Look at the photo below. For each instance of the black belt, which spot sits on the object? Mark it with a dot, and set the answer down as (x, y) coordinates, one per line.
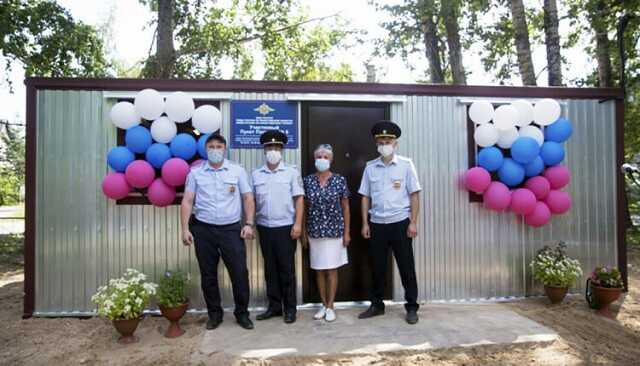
(194, 221)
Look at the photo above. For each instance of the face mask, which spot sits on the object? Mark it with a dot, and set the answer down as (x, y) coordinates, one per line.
(215, 156)
(273, 156)
(322, 165)
(385, 150)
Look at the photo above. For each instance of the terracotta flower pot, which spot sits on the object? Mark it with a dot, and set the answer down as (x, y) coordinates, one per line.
(603, 297)
(173, 315)
(555, 294)
(126, 328)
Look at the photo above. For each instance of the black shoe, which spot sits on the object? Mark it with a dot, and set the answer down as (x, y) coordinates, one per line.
(213, 323)
(371, 312)
(268, 314)
(290, 318)
(412, 316)
(245, 322)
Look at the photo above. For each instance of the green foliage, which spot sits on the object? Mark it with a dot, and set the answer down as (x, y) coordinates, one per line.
(605, 276)
(125, 297)
(43, 37)
(172, 289)
(553, 267)
(11, 249)
(12, 164)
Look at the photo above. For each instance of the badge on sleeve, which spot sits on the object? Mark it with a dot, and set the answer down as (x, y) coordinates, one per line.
(397, 184)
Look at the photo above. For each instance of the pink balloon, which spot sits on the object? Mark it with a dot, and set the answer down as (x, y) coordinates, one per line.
(196, 163)
(140, 174)
(523, 201)
(539, 185)
(477, 179)
(115, 186)
(160, 194)
(497, 196)
(559, 202)
(539, 216)
(558, 176)
(174, 171)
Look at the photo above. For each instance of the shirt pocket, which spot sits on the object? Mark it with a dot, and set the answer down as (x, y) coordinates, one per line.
(281, 188)
(230, 185)
(376, 186)
(398, 186)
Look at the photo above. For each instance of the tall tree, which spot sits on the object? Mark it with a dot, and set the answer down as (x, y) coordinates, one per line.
(431, 40)
(552, 41)
(450, 14)
(165, 52)
(523, 47)
(597, 11)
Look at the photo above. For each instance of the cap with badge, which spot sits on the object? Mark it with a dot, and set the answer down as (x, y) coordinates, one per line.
(273, 137)
(386, 129)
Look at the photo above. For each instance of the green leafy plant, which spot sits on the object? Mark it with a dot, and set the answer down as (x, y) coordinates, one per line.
(607, 277)
(553, 267)
(125, 297)
(172, 289)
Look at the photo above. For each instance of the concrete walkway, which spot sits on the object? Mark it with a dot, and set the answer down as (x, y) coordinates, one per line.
(440, 326)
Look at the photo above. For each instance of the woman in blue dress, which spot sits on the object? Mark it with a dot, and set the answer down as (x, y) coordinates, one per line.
(327, 216)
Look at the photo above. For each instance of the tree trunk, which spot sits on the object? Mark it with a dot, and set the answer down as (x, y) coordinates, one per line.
(165, 53)
(432, 48)
(599, 25)
(523, 47)
(552, 40)
(450, 16)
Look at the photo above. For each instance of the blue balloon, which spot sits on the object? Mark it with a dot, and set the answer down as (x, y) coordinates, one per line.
(558, 131)
(183, 146)
(552, 153)
(511, 173)
(490, 158)
(138, 139)
(534, 168)
(119, 158)
(157, 154)
(202, 149)
(524, 150)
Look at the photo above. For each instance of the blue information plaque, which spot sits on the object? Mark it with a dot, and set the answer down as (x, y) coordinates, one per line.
(249, 119)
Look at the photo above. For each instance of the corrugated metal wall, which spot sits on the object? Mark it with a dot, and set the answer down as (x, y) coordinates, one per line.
(463, 251)
(467, 252)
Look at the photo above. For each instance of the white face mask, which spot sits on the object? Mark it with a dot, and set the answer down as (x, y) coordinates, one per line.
(273, 156)
(215, 156)
(385, 150)
(323, 165)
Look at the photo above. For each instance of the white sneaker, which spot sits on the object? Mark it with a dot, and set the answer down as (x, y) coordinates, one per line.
(330, 315)
(321, 313)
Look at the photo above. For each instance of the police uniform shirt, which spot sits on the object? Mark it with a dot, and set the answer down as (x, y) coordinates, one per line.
(389, 187)
(218, 192)
(274, 192)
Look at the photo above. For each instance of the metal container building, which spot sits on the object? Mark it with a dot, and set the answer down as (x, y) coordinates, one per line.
(76, 239)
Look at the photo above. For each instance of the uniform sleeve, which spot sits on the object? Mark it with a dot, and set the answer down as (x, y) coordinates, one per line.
(190, 184)
(364, 185)
(345, 188)
(244, 184)
(413, 185)
(296, 184)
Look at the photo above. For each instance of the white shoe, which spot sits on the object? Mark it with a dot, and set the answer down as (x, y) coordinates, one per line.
(321, 313)
(330, 315)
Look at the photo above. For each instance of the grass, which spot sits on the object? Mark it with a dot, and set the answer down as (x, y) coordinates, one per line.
(11, 249)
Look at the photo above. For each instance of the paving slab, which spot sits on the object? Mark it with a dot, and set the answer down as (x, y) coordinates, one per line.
(440, 326)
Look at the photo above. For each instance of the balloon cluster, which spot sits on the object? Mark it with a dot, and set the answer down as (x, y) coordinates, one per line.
(519, 160)
(157, 158)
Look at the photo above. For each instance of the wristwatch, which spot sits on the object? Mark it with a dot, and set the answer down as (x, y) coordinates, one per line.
(250, 224)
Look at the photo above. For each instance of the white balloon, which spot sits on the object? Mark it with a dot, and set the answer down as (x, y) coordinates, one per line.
(506, 138)
(533, 132)
(179, 107)
(124, 115)
(546, 112)
(481, 112)
(207, 119)
(525, 112)
(163, 130)
(505, 117)
(486, 135)
(149, 104)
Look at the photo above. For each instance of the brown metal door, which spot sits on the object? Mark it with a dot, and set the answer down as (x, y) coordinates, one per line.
(347, 127)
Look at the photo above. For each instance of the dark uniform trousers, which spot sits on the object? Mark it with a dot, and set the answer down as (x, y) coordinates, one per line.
(394, 236)
(278, 251)
(213, 242)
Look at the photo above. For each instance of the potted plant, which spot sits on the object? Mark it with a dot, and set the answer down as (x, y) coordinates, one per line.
(173, 301)
(123, 300)
(606, 286)
(556, 271)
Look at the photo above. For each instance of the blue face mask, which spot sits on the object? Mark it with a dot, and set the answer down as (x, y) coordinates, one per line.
(215, 156)
(322, 165)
